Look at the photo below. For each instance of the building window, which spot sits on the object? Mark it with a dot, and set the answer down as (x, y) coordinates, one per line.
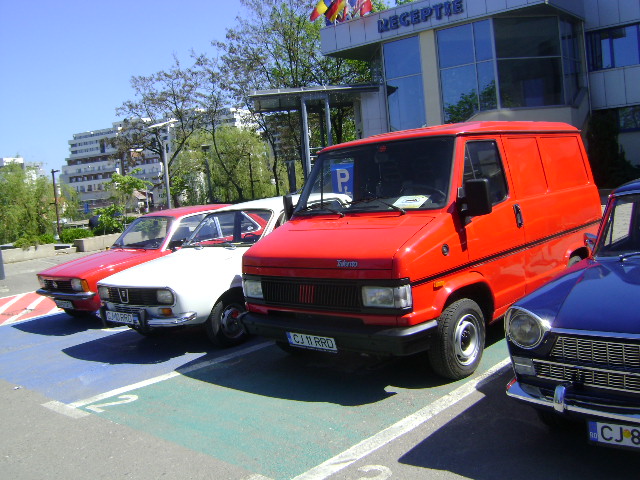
(529, 61)
(467, 70)
(613, 47)
(629, 118)
(405, 92)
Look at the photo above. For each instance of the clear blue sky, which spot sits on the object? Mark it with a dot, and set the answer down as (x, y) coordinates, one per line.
(65, 65)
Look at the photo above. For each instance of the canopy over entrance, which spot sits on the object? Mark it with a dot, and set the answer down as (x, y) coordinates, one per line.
(305, 99)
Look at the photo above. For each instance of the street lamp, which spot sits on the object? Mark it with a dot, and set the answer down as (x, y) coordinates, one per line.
(55, 200)
(165, 164)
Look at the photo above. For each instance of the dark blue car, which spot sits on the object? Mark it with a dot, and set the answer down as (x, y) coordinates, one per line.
(575, 342)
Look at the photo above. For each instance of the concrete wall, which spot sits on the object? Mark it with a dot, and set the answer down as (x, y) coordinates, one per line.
(95, 243)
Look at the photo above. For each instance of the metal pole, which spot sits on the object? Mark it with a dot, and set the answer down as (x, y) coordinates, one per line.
(327, 116)
(55, 200)
(306, 161)
(166, 173)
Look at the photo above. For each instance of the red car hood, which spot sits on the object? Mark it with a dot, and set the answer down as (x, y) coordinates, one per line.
(102, 264)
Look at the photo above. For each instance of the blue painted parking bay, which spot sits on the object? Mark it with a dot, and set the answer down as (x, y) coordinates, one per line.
(255, 406)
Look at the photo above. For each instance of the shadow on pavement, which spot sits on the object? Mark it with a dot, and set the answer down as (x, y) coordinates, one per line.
(499, 438)
(129, 347)
(59, 324)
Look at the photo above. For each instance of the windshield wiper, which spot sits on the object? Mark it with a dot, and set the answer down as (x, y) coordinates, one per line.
(320, 207)
(378, 199)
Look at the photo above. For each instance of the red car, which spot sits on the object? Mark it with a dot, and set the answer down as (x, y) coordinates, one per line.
(72, 285)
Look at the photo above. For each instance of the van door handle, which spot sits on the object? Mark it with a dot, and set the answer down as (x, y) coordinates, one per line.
(518, 213)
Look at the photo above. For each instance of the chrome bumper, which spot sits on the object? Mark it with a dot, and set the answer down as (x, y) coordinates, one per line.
(564, 405)
(177, 320)
(66, 296)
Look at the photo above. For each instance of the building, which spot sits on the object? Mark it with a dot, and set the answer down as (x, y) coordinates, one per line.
(446, 61)
(94, 158)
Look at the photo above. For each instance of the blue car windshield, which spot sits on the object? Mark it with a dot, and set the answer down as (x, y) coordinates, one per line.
(621, 228)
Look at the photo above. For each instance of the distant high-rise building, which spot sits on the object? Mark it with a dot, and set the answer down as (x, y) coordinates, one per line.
(94, 158)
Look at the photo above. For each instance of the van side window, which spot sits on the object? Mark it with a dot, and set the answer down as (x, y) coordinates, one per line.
(482, 160)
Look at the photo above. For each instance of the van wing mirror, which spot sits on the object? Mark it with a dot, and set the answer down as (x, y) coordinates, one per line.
(287, 201)
(476, 199)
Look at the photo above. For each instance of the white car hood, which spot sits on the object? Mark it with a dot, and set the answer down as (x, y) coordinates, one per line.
(186, 265)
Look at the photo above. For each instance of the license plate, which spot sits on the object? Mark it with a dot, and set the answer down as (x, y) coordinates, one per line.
(313, 342)
(615, 434)
(122, 317)
(63, 303)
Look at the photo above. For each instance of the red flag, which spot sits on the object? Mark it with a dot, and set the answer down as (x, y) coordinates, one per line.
(321, 7)
(365, 7)
(335, 8)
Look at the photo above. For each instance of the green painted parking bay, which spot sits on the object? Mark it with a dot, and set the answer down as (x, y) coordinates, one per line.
(280, 415)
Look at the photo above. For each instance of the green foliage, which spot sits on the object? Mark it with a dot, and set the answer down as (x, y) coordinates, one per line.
(123, 187)
(26, 208)
(46, 238)
(111, 220)
(608, 161)
(68, 235)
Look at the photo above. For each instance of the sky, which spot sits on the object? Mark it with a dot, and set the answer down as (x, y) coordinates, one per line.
(66, 65)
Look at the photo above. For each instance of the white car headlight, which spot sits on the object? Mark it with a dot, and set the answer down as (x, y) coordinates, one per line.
(524, 328)
(387, 297)
(103, 292)
(252, 288)
(164, 296)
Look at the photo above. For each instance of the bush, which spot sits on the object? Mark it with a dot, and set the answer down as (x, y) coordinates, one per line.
(46, 238)
(26, 241)
(68, 235)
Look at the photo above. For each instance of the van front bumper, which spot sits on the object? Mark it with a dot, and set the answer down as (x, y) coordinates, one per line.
(372, 339)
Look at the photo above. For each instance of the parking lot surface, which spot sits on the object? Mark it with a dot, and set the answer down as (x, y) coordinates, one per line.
(81, 401)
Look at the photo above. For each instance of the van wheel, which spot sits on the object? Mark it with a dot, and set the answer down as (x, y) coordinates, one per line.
(573, 260)
(457, 350)
(222, 326)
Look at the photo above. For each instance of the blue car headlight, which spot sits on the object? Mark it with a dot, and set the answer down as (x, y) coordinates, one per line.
(525, 329)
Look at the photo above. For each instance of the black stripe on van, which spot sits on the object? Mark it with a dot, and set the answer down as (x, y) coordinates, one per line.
(505, 253)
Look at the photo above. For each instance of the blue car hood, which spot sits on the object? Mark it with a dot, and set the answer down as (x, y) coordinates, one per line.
(593, 295)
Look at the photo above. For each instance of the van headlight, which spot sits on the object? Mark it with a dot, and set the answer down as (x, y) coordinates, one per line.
(524, 328)
(387, 297)
(103, 292)
(164, 296)
(252, 288)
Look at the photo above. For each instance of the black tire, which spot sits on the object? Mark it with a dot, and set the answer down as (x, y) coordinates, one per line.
(222, 326)
(457, 350)
(573, 260)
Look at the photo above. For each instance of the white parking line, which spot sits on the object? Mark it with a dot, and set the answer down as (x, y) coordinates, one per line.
(371, 444)
(70, 409)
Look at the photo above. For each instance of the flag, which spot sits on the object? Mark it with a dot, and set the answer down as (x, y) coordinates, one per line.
(321, 7)
(365, 7)
(334, 10)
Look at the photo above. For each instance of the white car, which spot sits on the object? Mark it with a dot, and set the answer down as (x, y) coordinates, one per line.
(202, 282)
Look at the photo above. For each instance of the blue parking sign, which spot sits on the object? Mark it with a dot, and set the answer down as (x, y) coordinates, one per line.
(342, 178)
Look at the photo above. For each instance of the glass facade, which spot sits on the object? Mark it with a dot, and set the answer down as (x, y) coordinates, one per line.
(403, 77)
(467, 70)
(613, 47)
(508, 62)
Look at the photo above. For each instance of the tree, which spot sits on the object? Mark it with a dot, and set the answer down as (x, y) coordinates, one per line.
(276, 46)
(26, 204)
(124, 186)
(175, 95)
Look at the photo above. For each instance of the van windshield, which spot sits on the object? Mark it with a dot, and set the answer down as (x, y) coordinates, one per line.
(395, 175)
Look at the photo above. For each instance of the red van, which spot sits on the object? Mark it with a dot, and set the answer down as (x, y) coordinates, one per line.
(444, 229)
